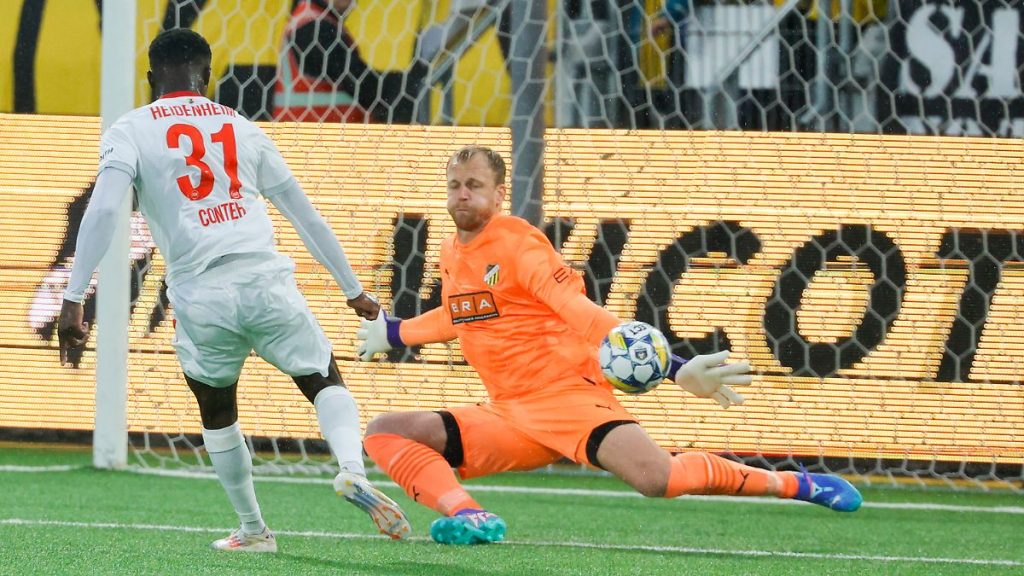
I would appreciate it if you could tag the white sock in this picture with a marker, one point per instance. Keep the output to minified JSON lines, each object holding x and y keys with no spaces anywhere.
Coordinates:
{"x":339,"y":423}
{"x":233,"y":465}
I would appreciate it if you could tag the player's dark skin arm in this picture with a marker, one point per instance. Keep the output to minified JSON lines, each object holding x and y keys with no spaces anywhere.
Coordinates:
{"x":72,"y":331}
{"x":364,"y":305}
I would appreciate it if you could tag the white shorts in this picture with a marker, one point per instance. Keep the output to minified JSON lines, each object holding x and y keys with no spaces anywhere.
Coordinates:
{"x":249,"y":302}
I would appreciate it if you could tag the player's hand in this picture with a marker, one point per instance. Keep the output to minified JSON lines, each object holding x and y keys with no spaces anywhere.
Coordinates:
{"x":708,"y":376}
{"x":373,"y":337}
{"x":365,"y":305}
{"x":72,"y":332}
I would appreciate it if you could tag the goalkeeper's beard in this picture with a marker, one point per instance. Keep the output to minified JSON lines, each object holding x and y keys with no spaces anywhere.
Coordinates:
{"x":468,"y":220}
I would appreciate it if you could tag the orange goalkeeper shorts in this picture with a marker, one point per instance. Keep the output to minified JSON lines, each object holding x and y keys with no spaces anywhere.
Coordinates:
{"x":534,"y":431}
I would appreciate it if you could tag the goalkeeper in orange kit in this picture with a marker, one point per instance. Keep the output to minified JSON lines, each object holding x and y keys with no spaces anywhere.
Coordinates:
{"x":526,"y":325}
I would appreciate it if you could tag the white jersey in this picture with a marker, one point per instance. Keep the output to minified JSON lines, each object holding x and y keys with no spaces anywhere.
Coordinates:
{"x":199,"y":171}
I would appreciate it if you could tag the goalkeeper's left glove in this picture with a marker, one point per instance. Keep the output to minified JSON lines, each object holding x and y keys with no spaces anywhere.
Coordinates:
{"x":708,"y":376}
{"x":378,"y":335}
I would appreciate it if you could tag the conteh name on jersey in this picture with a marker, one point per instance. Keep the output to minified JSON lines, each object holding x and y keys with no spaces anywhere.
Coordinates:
{"x":225,"y":212}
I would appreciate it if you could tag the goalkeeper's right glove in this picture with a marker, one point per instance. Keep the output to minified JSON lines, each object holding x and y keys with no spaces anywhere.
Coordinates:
{"x":378,"y":335}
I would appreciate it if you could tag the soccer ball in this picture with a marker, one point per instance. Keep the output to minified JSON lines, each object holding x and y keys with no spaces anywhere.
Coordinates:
{"x":635,"y":357}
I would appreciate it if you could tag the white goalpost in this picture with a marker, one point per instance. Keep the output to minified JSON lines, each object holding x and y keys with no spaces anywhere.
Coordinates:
{"x":117,"y":96}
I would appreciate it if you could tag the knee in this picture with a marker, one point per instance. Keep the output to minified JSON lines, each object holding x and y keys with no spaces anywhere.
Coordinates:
{"x":384,"y":424}
{"x":650,"y":481}
{"x":403,"y":424}
{"x":423,"y":427}
{"x":652,"y":489}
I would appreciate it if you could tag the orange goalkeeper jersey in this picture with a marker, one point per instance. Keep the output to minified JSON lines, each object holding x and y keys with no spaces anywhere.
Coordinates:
{"x":520,"y":313}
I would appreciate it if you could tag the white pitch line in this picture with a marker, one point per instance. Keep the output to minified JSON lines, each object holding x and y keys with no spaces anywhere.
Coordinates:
{"x":55,"y":468}
{"x":580,"y":492}
{"x":687,"y":550}
{"x":583,"y":492}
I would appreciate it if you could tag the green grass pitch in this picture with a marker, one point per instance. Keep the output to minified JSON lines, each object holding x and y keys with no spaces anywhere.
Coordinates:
{"x":76,"y":520}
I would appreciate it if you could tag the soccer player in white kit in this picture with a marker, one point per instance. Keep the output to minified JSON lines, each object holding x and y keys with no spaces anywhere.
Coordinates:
{"x":199,"y":170}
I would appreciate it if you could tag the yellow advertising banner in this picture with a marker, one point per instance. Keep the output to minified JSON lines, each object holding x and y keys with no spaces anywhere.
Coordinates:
{"x":875,"y":283}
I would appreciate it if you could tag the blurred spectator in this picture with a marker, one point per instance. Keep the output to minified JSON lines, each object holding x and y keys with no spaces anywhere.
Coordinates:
{"x":323,"y":78}
{"x":657,"y":38}
{"x":631,"y":40}
{"x":660,"y":95}
{"x":847,"y":73}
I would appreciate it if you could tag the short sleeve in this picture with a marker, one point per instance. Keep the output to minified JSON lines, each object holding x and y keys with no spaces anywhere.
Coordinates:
{"x":273,"y":172}
{"x":118,"y":150}
{"x":543,"y":273}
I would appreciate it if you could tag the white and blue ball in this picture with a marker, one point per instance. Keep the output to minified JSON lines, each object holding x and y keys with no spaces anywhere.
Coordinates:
{"x":635,"y":357}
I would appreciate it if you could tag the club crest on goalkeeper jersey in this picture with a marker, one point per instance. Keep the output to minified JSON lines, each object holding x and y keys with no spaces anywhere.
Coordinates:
{"x":502,"y":292}
{"x":199,"y":171}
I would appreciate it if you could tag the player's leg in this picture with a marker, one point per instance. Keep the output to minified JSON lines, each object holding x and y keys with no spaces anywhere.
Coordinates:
{"x":631,"y":454}
{"x":413,"y":448}
{"x":211,"y":353}
{"x":587,"y":423}
{"x":338,"y":418}
{"x":232,"y":463}
{"x":419,"y":449}
{"x":284,"y":332}
{"x":337,"y":415}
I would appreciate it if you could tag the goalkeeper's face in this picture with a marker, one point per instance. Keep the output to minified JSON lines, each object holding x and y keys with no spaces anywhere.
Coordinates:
{"x":474,"y":196}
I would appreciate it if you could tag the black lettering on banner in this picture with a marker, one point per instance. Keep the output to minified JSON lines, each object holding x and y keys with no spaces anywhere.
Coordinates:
{"x":863,"y":245}
{"x":557,"y":232}
{"x":604,"y":255}
{"x":734,"y":240}
{"x":604,"y":259}
{"x":984,"y":251}
{"x":407,"y":267}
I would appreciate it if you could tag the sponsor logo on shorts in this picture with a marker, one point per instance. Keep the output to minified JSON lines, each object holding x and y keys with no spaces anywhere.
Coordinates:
{"x":472,"y":307}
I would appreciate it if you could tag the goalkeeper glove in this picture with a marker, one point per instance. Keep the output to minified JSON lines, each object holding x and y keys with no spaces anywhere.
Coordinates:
{"x":378,"y":335}
{"x":707,"y":376}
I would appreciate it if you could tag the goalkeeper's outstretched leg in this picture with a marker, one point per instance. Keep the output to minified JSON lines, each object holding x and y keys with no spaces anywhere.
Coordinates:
{"x":628,"y":452}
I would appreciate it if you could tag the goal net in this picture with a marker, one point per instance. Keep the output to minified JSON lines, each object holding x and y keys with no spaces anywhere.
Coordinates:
{"x":821,"y":191}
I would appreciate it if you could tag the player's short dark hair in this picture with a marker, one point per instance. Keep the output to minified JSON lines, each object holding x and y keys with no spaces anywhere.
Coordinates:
{"x":494,"y":160}
{"x":178,"y":47}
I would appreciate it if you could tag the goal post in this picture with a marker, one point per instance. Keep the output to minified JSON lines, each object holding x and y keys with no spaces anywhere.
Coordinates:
{"x":117,"y":96}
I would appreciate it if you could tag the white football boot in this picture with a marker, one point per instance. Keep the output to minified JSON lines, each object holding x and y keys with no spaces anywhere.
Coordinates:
{"x":384,"y":511}
{"x":239,"y":541}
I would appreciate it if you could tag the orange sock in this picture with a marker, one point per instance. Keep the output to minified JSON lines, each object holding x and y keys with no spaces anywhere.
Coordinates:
{"x":702,"y":473}
{"x":423,"y":473}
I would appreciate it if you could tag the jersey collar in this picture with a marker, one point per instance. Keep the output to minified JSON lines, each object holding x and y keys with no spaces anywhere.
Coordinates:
{"x":180,"y":94}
